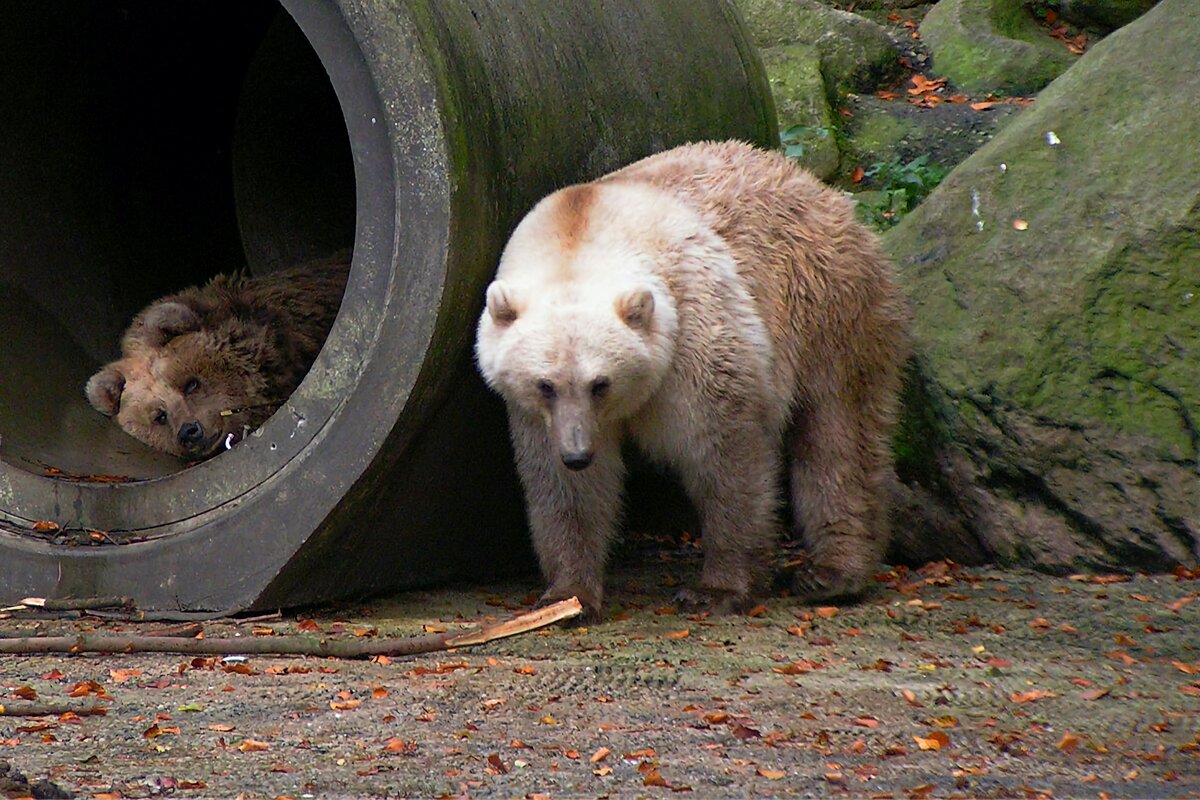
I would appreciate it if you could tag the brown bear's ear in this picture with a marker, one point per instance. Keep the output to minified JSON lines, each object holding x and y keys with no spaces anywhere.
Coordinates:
{"x":500,"y":304}
{"x":104,"y":390}
{"x":636,"y":308}
{"x":164,"y":321}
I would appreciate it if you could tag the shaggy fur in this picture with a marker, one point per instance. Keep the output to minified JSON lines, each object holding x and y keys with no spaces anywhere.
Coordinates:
{"x":209,"y":362}
{"x":710,"y":303}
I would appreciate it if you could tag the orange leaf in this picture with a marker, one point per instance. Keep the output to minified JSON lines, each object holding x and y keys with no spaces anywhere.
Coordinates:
{"x":982,"y":105}
{"x":599,"y":755}
{"x":253,"y":746}
{"x":827,"y":612}
{"x":122,"y":675}
{"x":655,"y":778}
{"x":934,"y":741}
{"x":1068,"y":742}
{"x":857,"y":175}
{"x":886,"y":95}
{"x":1020,"y":224}
{"x":25,"y":692}
{"x":683,"y":634}
{"x":308,"y":625}
{"x":1094,"y":694}
{"x":1030,"y":696}
{"x":772,"y":774}
{"x":344,"y":705}
{"x":910,"y":697}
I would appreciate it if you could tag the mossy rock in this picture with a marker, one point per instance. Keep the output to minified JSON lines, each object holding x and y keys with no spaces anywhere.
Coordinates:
{"x":992,"y":46}
{"x":794,"y":73}
{"x":1055,"y":279}
{"x":856,"y":54}
{"x":1103,"y":15}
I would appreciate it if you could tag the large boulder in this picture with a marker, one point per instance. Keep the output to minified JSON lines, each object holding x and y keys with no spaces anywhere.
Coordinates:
{"x":1054,"y":412}
{"x":855,"y":53}
{"x":1104,"y":15}
{"x":992,"y":46}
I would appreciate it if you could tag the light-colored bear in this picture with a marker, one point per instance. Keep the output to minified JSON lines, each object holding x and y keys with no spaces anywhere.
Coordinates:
{"x":720,"y":308}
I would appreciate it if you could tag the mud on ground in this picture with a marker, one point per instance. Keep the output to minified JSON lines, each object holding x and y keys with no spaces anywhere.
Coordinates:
{"x":948,"y":682}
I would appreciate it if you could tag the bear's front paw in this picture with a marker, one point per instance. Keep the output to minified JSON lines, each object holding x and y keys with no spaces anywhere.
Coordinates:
{"x":714,"y":601}
{"x":815,"y":583}
{"x":589,"y":600}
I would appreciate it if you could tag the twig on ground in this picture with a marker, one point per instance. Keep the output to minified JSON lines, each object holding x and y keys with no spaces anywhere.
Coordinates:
{"x":293,"y":645}
{"x":37,"y":708}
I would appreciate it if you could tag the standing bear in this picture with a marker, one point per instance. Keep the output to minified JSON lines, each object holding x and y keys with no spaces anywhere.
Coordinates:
{"x":721,"y":309}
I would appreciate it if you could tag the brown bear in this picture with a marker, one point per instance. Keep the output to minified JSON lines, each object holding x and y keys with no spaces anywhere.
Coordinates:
{"x":202,"y":366}
{"x":718,"y":307}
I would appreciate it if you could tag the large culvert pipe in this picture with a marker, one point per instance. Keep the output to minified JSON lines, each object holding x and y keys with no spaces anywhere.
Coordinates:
{"x":149,"y":145}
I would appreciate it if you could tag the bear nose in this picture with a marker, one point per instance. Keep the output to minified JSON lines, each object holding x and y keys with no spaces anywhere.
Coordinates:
{"x":577,"y":461}
{"x":191,"y":433}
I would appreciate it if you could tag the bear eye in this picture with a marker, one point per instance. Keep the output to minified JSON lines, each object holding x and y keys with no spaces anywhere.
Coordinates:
{"x":191,"y":386}
{"x":600,"y":387}
{"x":160,"y":418}
{"x":546,"y":389}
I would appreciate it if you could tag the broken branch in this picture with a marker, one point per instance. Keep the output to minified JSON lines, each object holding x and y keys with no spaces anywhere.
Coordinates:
{"x":293,"y":645}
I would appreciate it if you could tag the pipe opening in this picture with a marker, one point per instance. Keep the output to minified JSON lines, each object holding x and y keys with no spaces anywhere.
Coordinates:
{"x":148,"y":146}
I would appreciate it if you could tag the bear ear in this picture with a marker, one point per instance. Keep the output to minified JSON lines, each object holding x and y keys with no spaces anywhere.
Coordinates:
{"x":104,"y":390}
{"x":164,"y":321}
{"x":636,"y":308}
{"x":500,"y":304}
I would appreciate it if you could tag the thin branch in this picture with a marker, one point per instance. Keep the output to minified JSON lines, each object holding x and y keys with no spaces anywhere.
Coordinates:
{"x":37,"y":708}
{"x":293,"y":645}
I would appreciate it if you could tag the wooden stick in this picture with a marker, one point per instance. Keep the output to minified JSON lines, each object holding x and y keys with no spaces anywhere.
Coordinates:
{"x":39,"y":709}
{"x":292,"y":645}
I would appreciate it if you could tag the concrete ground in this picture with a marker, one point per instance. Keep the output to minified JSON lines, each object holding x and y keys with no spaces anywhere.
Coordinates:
{"x":948,"y":682}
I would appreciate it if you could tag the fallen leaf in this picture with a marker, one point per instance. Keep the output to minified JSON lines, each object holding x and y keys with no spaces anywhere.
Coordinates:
{"x":1020,"y":224}
{"x":772,"y":774}
{"x":253,"y":746}
{"x":934,"y":741}
{"x":1068,"y":742}
{"x":1094,"y":694}
{"x":1030,"y":696}
{"x":827,"y":612}
{"x":982,"y":105}
{"x":599,"y":755}
{"x":683,"y":634}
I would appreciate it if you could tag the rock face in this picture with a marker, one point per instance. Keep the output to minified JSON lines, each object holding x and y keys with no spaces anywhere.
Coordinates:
{"x":992,"y":46}
{"x":1104,"y":15}
{"x":1054,"y":416}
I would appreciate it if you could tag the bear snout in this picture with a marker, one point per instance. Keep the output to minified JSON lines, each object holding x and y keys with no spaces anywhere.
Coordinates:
{"x":191,"y":434}
{"x":577,"y":461}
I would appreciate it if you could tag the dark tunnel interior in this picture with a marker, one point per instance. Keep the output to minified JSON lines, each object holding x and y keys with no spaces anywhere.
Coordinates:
{"x":145,"y":146}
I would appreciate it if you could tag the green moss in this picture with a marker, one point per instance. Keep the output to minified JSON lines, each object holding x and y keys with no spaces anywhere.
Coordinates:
{"x":992,"y":46}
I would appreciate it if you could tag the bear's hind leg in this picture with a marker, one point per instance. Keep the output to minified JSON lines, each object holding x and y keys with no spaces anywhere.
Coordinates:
{"x":572,"y":515}
{"x":839,"y":465}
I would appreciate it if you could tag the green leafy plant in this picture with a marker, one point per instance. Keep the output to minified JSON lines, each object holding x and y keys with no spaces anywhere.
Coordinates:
{"x":792,"y":138}
{"x":900,"y":187}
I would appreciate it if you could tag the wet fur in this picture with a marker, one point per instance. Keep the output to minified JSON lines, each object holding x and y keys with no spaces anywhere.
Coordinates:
{"x":245,"y":342}
{"x":776,"y":329}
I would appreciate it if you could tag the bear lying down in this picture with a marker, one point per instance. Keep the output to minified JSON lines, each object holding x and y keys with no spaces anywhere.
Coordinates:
{"x":723,"y":310}
{"x":200,"y":367}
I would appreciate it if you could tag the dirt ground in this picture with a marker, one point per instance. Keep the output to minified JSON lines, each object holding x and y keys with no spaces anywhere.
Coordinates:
{"x":947,"y":682}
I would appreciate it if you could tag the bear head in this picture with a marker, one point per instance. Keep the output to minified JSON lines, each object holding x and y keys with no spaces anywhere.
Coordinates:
{"x":193,"y":396}
{"x":582,"y":359}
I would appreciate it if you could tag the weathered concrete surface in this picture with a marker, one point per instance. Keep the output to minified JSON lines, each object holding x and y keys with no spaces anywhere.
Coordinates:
{"x":1041,"y":686}
{"x":1104,"y":15}
{"x":1055,"y":277}
{"x":992,"y":46}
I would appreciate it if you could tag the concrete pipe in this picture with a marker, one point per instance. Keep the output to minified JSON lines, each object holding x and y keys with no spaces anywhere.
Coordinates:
{"x":148,"y":146}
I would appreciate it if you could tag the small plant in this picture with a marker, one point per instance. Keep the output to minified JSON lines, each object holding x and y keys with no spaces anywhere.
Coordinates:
{"x":792,"y":138}
{"x":900,"y":188}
